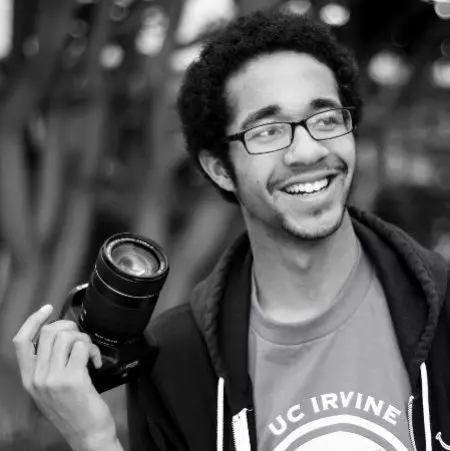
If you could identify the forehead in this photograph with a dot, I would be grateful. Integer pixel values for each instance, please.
(289, 79)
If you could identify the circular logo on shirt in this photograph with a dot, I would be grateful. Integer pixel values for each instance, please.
(341, 433)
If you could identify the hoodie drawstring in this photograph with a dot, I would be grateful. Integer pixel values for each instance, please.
(241, 433)
(220, 413)
(426, 406)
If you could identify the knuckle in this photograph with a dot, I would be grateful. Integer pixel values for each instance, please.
(59, 326)
(49, 384)
(47, 328)
(72, 336)
(68, 324)
(88, 349)
(55, 384)
(64, 335)
(77, 337)
(86, 338)
(81, 346)
(38, 384)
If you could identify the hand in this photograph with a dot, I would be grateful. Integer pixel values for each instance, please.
(57, 378)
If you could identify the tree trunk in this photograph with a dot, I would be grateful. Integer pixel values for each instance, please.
(155, 202)
(47, 229)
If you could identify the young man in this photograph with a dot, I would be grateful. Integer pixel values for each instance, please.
(322, 328)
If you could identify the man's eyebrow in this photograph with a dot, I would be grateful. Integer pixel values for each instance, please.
(267, 111)
(324, 102)
(272, 110)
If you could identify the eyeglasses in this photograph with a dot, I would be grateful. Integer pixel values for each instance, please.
(274, 136)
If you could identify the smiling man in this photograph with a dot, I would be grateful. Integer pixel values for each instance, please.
(295, 173)
(292, 160)
(322, 327)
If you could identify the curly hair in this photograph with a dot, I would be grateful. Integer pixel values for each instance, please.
(202, 103)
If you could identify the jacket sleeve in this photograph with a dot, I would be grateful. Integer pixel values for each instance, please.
(150, 427)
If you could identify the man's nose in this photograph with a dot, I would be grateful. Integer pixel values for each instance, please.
(304, 149)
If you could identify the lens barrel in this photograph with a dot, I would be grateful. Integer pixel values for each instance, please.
(129, 274)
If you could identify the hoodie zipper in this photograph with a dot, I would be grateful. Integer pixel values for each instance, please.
(410, 422)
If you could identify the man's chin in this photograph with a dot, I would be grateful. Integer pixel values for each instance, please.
(315, 229)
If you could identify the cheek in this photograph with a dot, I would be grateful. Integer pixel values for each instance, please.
(252, 172)
(346, 152)
(351, 150)
(249, 183)
(252, 188)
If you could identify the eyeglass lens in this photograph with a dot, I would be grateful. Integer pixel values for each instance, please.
(278, 135)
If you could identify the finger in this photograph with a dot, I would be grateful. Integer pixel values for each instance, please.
(79, 356)
(23, 343)
(63, 346)
(58, 325)
(46, 342)
(94, 354)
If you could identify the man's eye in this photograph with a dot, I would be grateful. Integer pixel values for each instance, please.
(328, 120)
(266, 132)
(270, 131)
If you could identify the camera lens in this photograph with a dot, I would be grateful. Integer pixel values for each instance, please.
(134, 260)
(131, 265)
(129, 273)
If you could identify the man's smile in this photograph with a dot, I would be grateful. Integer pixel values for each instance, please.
(318, 191)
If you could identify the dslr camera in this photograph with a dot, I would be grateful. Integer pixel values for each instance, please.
(115, 306)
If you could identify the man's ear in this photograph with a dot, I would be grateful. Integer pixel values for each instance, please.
(216, 171)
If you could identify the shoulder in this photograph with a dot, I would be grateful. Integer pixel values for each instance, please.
(175, 331)
(171, 324)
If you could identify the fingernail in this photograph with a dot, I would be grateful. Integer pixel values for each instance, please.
(98, 361)
(46, 308)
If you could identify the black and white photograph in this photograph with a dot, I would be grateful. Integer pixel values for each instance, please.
(224, 225)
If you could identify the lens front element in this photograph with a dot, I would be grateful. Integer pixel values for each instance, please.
(134, 260)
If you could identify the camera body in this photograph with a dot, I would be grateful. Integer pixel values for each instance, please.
(121, 363)
(116, 304)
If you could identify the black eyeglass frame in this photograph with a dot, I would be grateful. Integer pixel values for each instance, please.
(294, 124)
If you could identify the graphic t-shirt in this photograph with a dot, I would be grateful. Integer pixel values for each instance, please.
(334, 382)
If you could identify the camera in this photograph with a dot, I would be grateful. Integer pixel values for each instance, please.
(115, 306)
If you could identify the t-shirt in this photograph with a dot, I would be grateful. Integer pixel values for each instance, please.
(333, 382)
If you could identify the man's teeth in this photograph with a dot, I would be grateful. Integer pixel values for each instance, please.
(308, 188)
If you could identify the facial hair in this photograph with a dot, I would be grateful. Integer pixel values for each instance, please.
(325, 232)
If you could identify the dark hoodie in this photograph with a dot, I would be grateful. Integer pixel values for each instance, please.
(198, 395)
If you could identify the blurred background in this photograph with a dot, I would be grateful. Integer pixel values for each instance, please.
(90, 145)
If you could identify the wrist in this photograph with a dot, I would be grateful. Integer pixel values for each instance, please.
(99, 442)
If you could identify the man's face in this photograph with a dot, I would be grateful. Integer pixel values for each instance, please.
(271, 188)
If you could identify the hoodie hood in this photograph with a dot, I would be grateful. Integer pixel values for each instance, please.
(414, 280)
(221, 308)
(415, 283)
